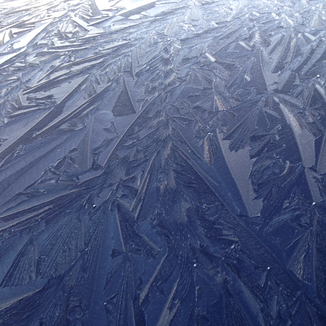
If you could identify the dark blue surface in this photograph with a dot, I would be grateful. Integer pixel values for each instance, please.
(162, 164)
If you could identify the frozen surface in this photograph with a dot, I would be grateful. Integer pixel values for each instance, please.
(162, 162)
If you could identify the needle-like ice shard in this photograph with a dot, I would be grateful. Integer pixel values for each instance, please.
(162, 162)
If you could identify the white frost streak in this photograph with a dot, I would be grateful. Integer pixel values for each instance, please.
(210, 57)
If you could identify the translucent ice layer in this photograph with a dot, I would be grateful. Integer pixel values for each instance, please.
(162, 162)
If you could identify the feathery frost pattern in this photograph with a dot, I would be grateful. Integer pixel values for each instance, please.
(162, 162)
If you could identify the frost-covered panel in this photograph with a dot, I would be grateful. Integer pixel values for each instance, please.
(162, 162)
